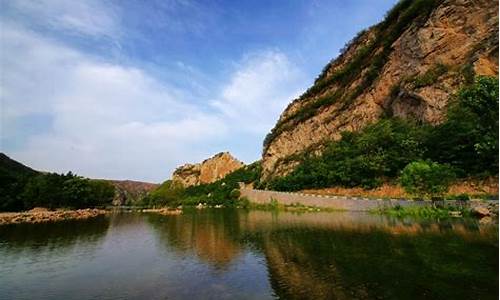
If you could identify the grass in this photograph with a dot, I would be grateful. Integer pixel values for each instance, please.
(427, 212)
(298, 207)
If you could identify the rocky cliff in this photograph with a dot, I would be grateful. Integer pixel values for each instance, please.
(208, 171)
(406, 66)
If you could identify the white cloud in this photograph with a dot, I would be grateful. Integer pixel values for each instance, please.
(259, 91)
(115, 121)
(87, 17)
(108, 120)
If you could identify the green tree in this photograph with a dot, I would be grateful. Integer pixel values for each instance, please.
(426, 179)
(468, 140)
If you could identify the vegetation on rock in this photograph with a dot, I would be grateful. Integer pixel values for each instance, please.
(467, 141)
(221, 192)
(370, 57)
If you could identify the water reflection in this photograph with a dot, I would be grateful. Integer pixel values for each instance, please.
(53, 236)
(347, 255)
(212, 234)
(238, 254)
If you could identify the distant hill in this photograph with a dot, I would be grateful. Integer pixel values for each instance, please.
(10, 167)
(129, 192)
(13, 176)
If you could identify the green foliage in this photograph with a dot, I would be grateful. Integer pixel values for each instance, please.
(459, 197)
(468, 140)
(169, 193)
(13, 178)
(65, 190)
(424, 212)
(426, 179)
(222, 192)
(22, 188)
(430, 76)
(359, 159)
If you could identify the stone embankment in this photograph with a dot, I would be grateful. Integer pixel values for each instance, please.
(41, 215)
(487, 208)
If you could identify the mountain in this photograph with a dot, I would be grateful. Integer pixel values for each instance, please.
(12, 168)
(208, 171)
(408, 66)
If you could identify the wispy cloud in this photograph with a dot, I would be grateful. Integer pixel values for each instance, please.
(66, 107)
(89, 17)
(107, 120)
(259, 90)
(115, 121)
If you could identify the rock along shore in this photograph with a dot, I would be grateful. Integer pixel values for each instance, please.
(41, 215)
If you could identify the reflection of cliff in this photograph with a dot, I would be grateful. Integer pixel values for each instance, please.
(211, 235)
(341, 263)
(341, 256)
(53, 236)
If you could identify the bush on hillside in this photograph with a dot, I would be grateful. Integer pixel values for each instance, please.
(222, 192)
(426, 179)
(169, 193)
(467, 141)
(363, 159)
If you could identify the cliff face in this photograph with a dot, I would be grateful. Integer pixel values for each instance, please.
(407, 66)
(208, 171)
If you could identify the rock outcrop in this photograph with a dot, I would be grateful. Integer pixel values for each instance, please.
(208, 171)
(407, 66)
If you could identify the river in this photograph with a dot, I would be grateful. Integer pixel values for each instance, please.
(239, 254)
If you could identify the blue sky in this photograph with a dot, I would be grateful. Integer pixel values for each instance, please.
(131, 89)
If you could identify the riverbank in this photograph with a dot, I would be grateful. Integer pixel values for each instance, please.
(486, 188)
(42, 215)
(163, 211)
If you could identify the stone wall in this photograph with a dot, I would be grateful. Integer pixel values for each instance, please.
(339, 202)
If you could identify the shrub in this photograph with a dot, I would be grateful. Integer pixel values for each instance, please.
(364, 158)
(234, 194)
(426, 179)
(468, 140)
(169, 193)
(459, 197)
(244, 202)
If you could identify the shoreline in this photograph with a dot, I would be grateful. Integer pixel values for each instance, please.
(41, 215)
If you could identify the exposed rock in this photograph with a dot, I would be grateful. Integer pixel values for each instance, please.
(128, 192)
(42, 215)
(461, 36)
(210, 170)
(486, 220)
(480, 211)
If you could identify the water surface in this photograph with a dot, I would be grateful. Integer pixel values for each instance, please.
(238, 254)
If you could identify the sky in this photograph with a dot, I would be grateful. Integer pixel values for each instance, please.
(132, 89)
